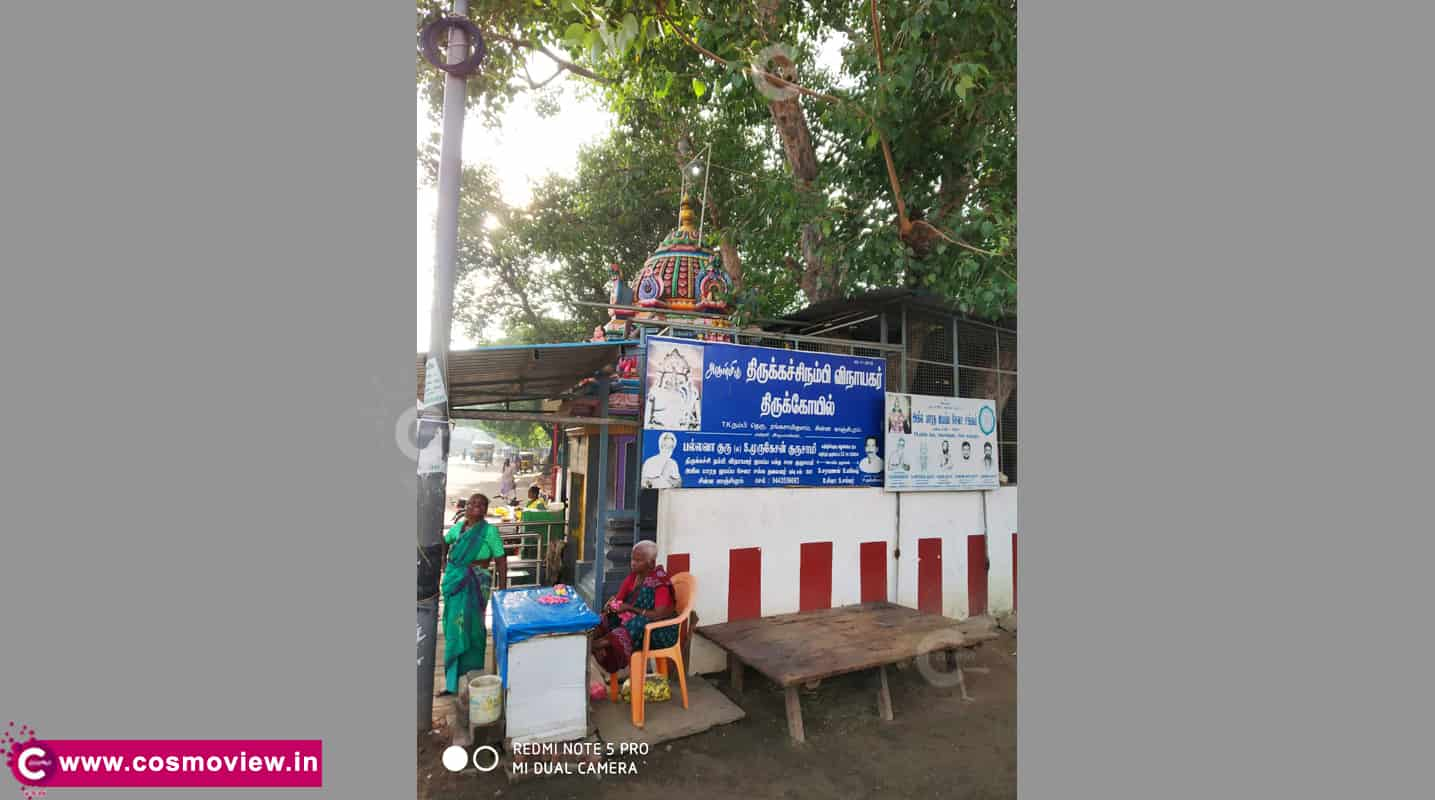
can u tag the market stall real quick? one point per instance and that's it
(540, 635)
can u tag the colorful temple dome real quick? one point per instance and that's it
(682, 274)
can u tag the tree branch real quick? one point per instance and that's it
(563, 65)
(957, 242)
(536, 86)
(974, 249)
(955, 190)
(903, 223)
(751, 70)
(507, 275)
(877, 35)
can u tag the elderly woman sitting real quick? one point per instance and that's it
(645, 596)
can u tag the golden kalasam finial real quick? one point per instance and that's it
(687, 220)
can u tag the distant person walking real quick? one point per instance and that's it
(507, 486)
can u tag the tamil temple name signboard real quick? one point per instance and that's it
(722, 415)
(940, 443)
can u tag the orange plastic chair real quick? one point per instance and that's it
(685, 586)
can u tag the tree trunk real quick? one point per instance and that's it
(952, 195)
(791, 121)
(998, 386)
(513, 286)
(731, 261)
(816, 277)
(914, 339)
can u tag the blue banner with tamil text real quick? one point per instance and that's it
(735, 415)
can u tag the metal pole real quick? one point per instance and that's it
(897, 555)
(434, 420)
(956, 361)
(600, 519)
(886, 359)
(642, 406)
(997, 362)
(704, 213)
(986, 545)
(906, 345)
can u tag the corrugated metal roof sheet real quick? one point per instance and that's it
(520, 372)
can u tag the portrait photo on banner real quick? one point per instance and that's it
(899, 416)
(675, 387)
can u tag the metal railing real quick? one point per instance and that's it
(526, 561)
(523, 543)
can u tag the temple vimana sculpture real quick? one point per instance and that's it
(680, 275)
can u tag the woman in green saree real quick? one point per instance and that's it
(475, 551)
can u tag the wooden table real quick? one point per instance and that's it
(792, 649)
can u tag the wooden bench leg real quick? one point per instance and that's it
(884, 697)
(961, 680)
(794, 715)
(734, 672)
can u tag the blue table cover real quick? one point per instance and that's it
(517, 616)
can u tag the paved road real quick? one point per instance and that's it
(465, 478)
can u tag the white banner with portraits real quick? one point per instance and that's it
(940, 443)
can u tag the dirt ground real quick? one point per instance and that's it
(937, 746)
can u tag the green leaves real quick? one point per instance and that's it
(961, 78)
(944, 101)
(964, 85)
(575, 36)
(591, 42)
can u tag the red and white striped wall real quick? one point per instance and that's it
(1001, 548)
(761, 552)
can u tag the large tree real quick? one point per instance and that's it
(897, 169)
